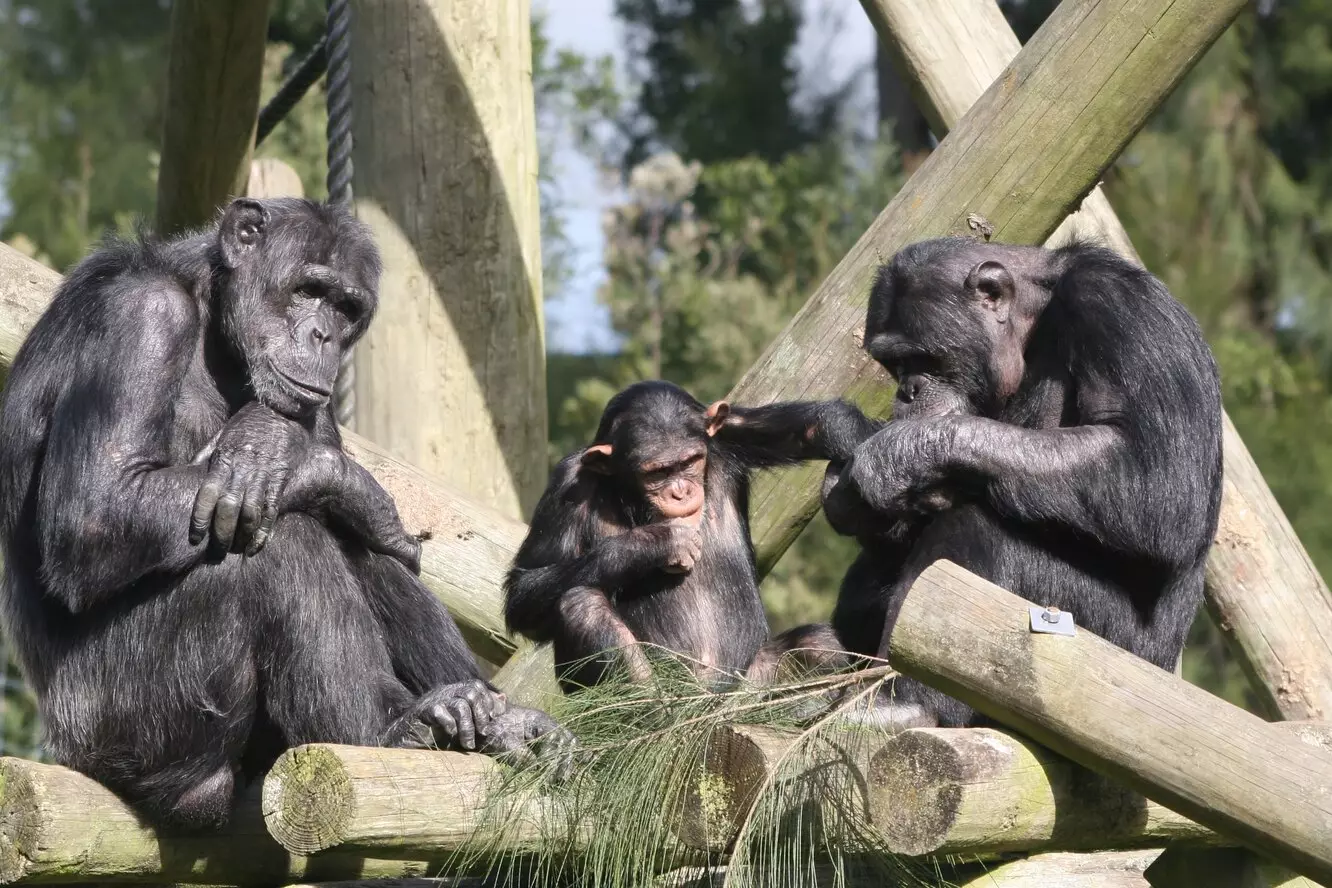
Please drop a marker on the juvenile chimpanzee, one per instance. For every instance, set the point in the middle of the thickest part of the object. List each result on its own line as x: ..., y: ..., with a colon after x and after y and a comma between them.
x: 195, y: 574
x: 644, y: 535
x: 1057, y: 430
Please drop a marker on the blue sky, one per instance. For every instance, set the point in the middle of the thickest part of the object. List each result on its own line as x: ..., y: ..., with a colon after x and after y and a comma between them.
x: 837, y: 41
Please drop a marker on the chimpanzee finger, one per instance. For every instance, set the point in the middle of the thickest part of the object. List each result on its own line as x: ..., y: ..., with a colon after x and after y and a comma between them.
x: 205, y: 501
x: 441, y: 718
x: 267, y: 519
x: 252, y: 509
x: 462, y: 714
x: 227, y: 514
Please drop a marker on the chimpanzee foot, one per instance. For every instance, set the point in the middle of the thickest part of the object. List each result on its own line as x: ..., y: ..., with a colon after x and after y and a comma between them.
x: 455, y: 714
x: 520, y: 736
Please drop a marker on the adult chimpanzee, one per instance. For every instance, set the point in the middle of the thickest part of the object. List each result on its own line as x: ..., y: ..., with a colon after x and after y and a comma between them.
x: 644, y: 535
x: 183, y: 619
x: 1057, y: 430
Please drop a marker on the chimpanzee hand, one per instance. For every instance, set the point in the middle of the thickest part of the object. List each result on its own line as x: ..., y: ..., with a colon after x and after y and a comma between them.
x: 330, y: 483
x: 249, y: 463
x: 674, y: 545
x: 457, y: 715
x: 520, y: 736
x: 899, y: 471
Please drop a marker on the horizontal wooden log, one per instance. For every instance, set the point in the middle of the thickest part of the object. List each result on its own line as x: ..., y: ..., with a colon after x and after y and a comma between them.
x: 57, y: 826
x: 983, y: 792
x: 1109, y: 869
x: 469, y: 546
x: 1186, y: 867
x: 384, y: 802
x: 1116, y: 714
x: 1022, y: 158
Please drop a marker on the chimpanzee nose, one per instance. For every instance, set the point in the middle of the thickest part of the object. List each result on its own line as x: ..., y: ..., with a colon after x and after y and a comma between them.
x: 318, y: 334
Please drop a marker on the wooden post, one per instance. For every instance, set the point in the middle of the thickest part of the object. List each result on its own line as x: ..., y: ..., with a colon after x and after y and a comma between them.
x: 386, y: 802
x: 212, y: 104
x: 1110, y: 711
x: 1013, y: 167
x: 1263, y: 589
x: 469, y: 546
x: 1111, y: 869
x: 451, y: 376
x: 58, y: 826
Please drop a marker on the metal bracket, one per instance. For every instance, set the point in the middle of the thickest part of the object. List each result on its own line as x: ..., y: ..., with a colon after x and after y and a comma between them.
x: 1051, y: 621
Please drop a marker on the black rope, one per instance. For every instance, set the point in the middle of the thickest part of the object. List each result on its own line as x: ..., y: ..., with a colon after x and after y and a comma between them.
x: 307, y: 73
x: 338, y: 42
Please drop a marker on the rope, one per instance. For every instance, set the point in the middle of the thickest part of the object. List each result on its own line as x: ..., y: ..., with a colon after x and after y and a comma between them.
x: 307, y: 73
x: 338, y: 38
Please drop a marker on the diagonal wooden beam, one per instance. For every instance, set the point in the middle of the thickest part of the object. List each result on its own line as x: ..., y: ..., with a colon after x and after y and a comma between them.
x: 1263, y: 589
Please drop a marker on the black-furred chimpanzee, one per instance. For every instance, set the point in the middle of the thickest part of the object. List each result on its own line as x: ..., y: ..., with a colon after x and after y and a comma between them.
x: 1057, y: 430
x: 196, y: 576
x: 644, y: 536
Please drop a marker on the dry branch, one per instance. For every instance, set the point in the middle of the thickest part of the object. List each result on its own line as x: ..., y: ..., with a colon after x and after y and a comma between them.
x: 1110, y: 711
x: 212, y: 104
x: 1024, y: 156
x: 58, y: 826
x: 464, y: 560
x: 1263, y: 589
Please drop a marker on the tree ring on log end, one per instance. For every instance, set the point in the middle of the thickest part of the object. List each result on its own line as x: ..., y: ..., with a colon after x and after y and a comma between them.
x: 20, y: 820
x: 722, y: 787
x: 915, y: 791
x: 308, y: 801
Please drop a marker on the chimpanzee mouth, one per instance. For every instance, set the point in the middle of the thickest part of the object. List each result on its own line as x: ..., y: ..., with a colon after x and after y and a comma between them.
x: 303, y: 390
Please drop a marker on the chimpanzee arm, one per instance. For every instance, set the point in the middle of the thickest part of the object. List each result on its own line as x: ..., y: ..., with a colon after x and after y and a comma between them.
x: 792, y: 431
x: 110, y: 508
x: 564, y: 550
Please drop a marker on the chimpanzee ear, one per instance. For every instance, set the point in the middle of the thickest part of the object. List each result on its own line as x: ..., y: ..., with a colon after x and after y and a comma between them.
x: 991, y: 283
x: 597, y: 459
x: 716, y: 416
x: 242, y: 232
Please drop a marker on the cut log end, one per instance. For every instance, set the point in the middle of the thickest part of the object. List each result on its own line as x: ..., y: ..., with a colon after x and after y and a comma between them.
x: 20, y: 826
x: 722, y: 789
x: 308, y: 800
x: 917, y: 780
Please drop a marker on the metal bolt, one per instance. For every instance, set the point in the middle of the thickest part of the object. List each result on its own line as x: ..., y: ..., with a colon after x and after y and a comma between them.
x: 1051, y: 615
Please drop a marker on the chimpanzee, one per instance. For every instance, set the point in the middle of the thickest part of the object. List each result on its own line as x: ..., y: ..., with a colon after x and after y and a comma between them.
x: 196, y: 575
x: 644, y: 536
x: 1057, y: 430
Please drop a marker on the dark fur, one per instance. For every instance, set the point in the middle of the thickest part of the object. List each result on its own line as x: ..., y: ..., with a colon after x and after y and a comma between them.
x: 1118, y: 532
x: 582, y: 535
x: 161, y: 663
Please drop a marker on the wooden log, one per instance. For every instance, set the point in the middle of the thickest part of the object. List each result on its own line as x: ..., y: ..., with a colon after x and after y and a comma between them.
x: 983, y: 792
x: 212, y: 104
x: 446, y: 176
x: 1263, y: 589
x: 270, y: 177
x: 1012, y: 168
x: 1110, y: 869
x: 464, y: 560
x: 1120, y: 716
x: 1186, y: 867
x: 385, y: 802
x: 58, y: 826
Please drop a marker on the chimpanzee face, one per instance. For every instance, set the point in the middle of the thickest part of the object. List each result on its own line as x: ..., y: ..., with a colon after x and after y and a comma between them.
x: 657, y: 449
x: 300, y: 290
x: 941, y: 321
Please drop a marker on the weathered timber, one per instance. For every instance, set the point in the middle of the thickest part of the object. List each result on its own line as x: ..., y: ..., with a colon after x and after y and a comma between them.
x: 1110, y: 869
x: 983, y: 792
x: 528, y: 677
x: 270, y: 177
x: 1120, y: 716
x: 212, y: 104
x: 1263, y: 590
x: 384, y: 802
x: 950, y: 53
x: 57, y: 826
x: 1190, y: 867
x: 446, y: 176
x: 1024, y: 156
x: 464, y: 560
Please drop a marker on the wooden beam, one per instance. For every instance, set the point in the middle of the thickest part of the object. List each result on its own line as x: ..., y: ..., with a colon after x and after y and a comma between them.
x: 212, y: 105
x: 1111, y: 869
x: 1187, y: 867
x: 1120, y: 716
x: 1020, y: 160
x: 464, y: 560
x: 451, y: 377
x: 270, y: 177
x: 57, y: 826
x: 1263, y: 589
